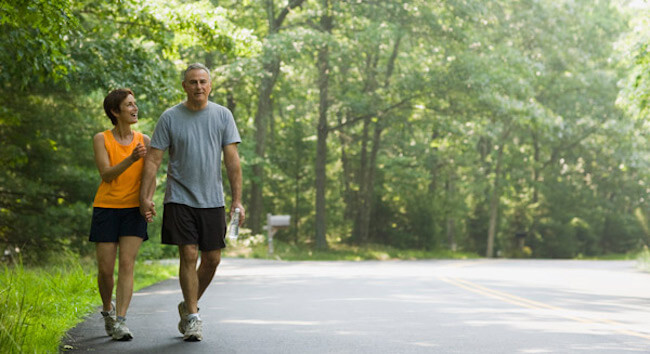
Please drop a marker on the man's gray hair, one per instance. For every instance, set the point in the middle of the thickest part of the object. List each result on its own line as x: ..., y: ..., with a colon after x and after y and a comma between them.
x: 196, y: 66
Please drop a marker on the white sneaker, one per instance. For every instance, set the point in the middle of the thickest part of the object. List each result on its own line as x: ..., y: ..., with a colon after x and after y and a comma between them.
x: 121, y: 332
x: 109, y: 320
x: 194, y: 330
x: 182, y: 311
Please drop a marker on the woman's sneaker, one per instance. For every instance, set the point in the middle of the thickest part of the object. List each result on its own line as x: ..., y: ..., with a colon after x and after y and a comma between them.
x: 121, y: 331
x: 109, y: 320
x: 194, y: 330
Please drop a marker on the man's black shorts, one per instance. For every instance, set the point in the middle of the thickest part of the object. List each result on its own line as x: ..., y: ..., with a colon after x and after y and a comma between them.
x: 184, y: 225
x: 109, y: 224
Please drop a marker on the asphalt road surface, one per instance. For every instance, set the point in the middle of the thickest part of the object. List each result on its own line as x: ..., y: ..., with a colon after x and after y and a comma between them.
x: 440, y: 306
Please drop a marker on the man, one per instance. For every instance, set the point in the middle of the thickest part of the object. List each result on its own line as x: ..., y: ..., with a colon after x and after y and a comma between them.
x: 195, y: 132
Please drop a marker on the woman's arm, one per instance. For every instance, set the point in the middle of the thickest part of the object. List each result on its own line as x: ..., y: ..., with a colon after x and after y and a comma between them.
x: 106, y: 171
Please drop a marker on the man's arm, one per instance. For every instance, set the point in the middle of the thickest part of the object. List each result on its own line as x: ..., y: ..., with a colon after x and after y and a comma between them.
x: 152, y: 162
x: 233, y: 168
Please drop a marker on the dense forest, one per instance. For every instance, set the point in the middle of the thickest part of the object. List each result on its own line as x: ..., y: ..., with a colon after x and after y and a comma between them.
x: 420, y: 124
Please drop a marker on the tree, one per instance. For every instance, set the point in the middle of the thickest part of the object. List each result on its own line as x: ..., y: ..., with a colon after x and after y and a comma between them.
x: 271, y: 61
x: 47, y: 187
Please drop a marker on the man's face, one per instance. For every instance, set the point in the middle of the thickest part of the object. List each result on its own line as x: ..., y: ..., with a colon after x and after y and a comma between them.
x: 197, y: 85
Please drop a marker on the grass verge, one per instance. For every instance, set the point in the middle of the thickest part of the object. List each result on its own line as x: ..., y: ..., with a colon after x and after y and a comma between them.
x: 256, y: 247
x: 629, y: 256
x: 38, y: 305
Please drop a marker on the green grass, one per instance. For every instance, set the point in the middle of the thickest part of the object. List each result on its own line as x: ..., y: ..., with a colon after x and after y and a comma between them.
x: 256, y: 247
x: 611, y: 257
x: 38, y: 305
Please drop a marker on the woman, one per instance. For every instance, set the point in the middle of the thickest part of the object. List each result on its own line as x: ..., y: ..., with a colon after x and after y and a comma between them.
x: 117, y: 224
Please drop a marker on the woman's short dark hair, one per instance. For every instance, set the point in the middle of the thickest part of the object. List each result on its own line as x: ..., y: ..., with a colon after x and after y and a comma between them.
x: 113, y: 100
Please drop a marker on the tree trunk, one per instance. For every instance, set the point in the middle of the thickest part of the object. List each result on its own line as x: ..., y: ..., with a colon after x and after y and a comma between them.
x: 535, y: 168
x: 368, y: 191
x: 321, y: 144
x: 296, y: 210
x: 367, y: 164
x: 350, y: 196
x: 362, y: 183
x: 271, y: 70
x: 262, y: 116
x: 494, y: 198
x: 494, y: 205
x: 451, y: 222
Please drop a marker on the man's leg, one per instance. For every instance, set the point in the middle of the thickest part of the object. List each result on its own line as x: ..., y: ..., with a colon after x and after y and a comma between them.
x: 129, y: 246
x: 188, y: 277
x: 106, y: 252
x: 209, y: 262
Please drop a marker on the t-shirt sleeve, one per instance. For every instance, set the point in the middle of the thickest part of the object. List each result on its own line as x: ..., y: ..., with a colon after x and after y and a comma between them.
x: 161, y: 139
x: 230, y: 134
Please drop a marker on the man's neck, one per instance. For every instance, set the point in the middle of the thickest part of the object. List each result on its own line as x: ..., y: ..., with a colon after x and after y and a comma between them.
x: 195, y: 106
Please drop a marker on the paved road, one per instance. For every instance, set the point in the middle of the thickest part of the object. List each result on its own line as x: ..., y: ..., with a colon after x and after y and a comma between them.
x: 474, y: 306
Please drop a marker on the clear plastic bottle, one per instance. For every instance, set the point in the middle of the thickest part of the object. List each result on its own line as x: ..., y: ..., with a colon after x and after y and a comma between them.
x: 233, y: 229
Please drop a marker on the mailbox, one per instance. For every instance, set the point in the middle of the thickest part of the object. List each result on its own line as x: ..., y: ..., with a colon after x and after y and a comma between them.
x: 279, y: 220
x: 274, y: 222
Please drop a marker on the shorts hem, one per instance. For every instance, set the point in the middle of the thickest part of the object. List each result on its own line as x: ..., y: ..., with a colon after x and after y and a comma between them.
x: 144, y: 238
x: 184, y: 244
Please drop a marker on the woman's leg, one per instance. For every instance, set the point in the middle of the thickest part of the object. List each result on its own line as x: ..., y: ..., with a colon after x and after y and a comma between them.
x: 106, y: 252
x: 129, y: 246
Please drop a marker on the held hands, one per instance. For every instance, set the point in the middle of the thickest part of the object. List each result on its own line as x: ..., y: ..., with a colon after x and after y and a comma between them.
x: 148, y: 210
x: 138, y: 152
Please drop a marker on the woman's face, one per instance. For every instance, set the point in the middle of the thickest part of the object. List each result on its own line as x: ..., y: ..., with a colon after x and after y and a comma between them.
x: 128, y: 111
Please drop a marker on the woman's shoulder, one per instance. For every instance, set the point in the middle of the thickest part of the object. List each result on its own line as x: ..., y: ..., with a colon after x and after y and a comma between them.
x: 141, y: 136
x: 101, y: 136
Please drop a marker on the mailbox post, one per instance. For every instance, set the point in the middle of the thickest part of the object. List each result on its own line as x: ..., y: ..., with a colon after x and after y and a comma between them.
x: 273, y: 223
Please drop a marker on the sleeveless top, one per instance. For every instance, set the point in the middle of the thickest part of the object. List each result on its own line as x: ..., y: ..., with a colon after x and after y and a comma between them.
x: 123, y: 191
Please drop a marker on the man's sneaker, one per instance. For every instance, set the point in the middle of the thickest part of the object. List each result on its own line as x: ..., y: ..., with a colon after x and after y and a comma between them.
x: 182, y: 311
x: 109, y: 319
x: 121, y: 331
x: 194, y: 330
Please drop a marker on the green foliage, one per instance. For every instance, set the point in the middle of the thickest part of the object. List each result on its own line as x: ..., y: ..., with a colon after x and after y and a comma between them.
x: 38, y: 305
x: 436, y: 109
x: 70, y: 54
x: 635, y: 58
x: 257, y: 247
x: 35, y: 35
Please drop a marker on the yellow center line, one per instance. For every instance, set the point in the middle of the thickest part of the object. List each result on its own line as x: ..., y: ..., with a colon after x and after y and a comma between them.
x: 535, y: 305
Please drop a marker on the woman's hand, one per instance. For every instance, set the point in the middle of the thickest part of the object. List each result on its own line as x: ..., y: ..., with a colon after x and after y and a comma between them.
x: 138, y: 152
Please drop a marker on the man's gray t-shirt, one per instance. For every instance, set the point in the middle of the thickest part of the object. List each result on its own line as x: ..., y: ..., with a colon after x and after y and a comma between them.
x: 195, y: 140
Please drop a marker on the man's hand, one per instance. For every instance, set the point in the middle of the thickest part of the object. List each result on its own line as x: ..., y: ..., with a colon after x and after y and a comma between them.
x: 148, y: 184
x: 233, y: 168
x: 148, y: 210
x: 242, y: 212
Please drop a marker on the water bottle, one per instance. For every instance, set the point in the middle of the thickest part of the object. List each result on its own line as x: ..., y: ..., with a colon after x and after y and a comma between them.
x: 233, y: 229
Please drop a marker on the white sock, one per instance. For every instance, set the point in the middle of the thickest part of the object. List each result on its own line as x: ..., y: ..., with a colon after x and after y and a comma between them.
x: 193, y: 315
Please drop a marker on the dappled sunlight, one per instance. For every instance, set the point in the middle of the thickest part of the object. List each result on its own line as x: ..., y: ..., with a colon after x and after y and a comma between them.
x: 273, y: 323
x: 521, y: 298
x: 157, y: 292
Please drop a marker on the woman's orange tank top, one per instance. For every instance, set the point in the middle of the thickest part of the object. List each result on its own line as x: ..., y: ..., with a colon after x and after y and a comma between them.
x: 123, y: 191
